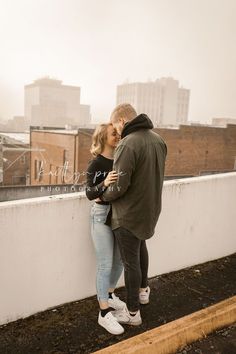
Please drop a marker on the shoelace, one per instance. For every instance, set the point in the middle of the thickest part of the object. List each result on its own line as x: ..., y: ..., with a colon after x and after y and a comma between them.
x: 112, y: 319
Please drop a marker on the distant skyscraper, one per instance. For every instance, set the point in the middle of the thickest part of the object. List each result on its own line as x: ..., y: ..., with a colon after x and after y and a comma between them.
x: 49, y: 103
x: 162, y: 100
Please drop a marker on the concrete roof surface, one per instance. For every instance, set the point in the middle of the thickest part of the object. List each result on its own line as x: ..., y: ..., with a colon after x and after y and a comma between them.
x: 73, y: 327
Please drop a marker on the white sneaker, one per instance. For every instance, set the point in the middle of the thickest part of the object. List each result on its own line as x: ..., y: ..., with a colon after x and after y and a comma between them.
x: 116, y: 303
x: 110, y: 323
x: 144, y: 296
x: 123, y: 316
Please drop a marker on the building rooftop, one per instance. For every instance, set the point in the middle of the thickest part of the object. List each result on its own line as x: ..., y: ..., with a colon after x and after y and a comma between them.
x: 73, y: 327
x: 52, y: 82
x: 48, y: 255
x: 20, y: 137
x: 57, y: 131
x: 65, y: 131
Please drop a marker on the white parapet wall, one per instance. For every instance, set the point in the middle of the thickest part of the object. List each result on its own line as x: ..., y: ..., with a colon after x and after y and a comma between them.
x: 47, y: 256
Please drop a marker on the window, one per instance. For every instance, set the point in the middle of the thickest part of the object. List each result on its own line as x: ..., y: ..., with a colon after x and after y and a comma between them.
x: 19, y: 180
x: 22, y: 159
x: 38, y: 170
x: 66, y: 156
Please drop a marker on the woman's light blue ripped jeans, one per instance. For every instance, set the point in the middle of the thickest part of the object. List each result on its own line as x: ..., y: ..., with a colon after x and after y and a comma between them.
x: 109, y: 263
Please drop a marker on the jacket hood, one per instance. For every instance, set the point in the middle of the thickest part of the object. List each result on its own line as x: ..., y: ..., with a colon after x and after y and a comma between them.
x: 140, y: 122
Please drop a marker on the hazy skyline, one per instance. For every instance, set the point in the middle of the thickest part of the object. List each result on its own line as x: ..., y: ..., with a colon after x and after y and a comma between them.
x: 98, y: 45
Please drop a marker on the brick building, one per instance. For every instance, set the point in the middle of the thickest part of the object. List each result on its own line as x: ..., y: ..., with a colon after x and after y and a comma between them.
x: 192, y: 151
x: 14, y: 159
x: 196, y: 150
x: 59, y: 156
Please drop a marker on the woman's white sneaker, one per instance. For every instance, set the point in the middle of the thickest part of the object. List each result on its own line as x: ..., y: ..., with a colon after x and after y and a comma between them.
x: 144, y: 296
x: 123, y: 316
x: 110, y: 323
x: 116, y: 303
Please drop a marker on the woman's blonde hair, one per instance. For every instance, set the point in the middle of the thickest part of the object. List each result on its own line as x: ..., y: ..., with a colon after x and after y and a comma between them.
x: 99, y: 139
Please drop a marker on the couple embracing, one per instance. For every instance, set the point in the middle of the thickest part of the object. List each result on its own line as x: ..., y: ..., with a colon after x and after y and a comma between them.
x: 125, y: 181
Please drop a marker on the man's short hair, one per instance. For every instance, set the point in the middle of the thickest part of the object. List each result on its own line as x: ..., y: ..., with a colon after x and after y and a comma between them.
x: 123, y: 110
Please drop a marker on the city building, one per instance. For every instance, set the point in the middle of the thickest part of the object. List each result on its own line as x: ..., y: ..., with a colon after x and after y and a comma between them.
x: 223, y: 121
x: 198, y: 150
x: 162, y: 100
x: 59, y: 156
x: 17, y: 124
x: 50, y: 103
x: 14, y: 159
x: 63, y: 156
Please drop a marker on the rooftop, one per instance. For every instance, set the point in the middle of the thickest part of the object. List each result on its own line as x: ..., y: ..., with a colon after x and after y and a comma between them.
x: 48, y: 259
x: 65, y: 131
x: 20, y: 137
x: 73, y: 328
x: 57, y: 131
x: 50, y: 82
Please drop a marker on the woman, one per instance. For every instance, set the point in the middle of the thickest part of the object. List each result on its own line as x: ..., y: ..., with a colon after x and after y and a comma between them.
x: 109, y: 264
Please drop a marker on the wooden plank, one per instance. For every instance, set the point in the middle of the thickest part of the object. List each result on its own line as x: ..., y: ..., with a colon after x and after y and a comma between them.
x: 172, y: 336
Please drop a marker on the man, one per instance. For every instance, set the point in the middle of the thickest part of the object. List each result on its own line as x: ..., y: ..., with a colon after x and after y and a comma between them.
x: 139, y: 161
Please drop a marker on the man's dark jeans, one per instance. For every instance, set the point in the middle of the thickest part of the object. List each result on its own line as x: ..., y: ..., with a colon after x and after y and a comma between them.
x: 134, y: 255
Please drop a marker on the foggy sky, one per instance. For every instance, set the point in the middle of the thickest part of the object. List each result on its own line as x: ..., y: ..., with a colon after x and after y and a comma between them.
x: 98, y: 44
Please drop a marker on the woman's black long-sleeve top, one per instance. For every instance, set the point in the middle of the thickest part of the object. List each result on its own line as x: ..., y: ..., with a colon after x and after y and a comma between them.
x: 97, y: 171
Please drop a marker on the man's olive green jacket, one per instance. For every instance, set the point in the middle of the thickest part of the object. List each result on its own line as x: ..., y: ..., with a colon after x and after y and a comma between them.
x: 136, y: 195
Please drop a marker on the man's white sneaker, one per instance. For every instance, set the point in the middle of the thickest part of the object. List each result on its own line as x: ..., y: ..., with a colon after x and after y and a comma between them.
x: 144, y: 296
x: 110, y: 323
x: 116, y: 303
x: 123, y: 316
